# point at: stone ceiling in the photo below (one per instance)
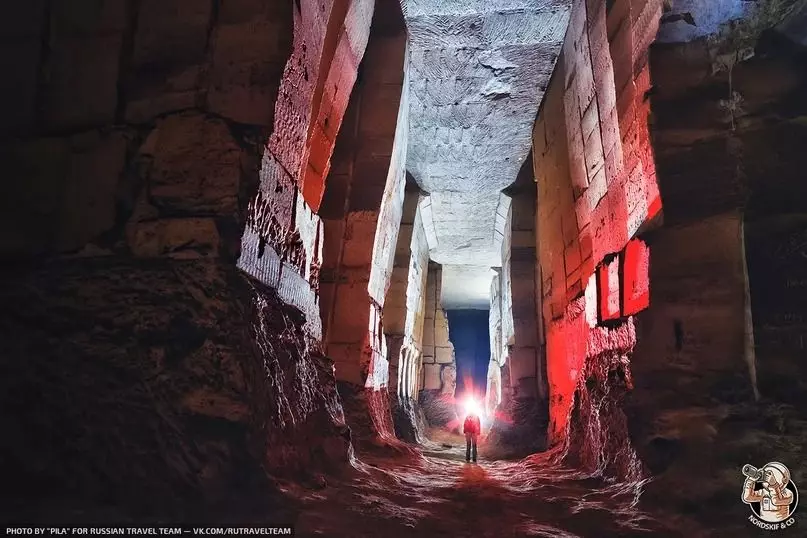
(478, 71)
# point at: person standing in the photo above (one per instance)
(471, 429)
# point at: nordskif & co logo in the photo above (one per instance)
(771, 495)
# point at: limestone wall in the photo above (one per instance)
(282, 245)
(134, 134)
(596, 187)
(367, 163)
(439, 364)
(404, 308)
(94, 131)
(718, 353)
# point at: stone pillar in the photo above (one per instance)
(362, 213)
(525, 374)
(281, 246)
(689, 358)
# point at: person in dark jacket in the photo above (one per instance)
(471, 429)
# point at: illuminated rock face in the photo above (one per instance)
(478, 71)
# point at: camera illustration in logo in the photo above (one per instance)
(770, 492)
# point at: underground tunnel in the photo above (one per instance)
(258, 254)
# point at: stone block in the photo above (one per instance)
(195, 165)
(359, 237)
(410, 207)
(590, 120)
(168, 56)
(319, 150)
(523, 362)
(294, 290)
(370, 170)
(577, 163)
(523, 212)
(394, 319)
(441, 330)
(597, 31)
(428, 332)
(402, 248)
(431, 379)
(526, 329)
(636, 277)
(335, 197)
(525, 388)
(340, 83)
(379, 112)
(597, 189)
(89, 198)
(247, 65)
(568, 224)
(82, 87)
(572, 259)
(176, 238)
(259, 260)
(347, 362)
(523, 239)
(609, 286)
(448, 378)
(613, 163)
(604, 81)
(351, 315)
(331, 247)
(444, 355)
(594, 154)
(171, 32)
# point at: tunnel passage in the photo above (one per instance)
(468, 331)
(357, 158)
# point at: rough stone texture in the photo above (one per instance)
(206, 382)
(403, 323)
(361, 232)
(596, 182)
(203, 390)
(329, 43)
(710, 17)
(439, 409)
(247, 60)
(518, 428)
(409, 420)
(717, 366)
(466, 287)
(479, 70)
(526, 361)
(439, 362)
(416, 285)
(498, 351)
(184, 180)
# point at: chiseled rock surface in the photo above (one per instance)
(439, 409)
(477, 72)
(158, 387)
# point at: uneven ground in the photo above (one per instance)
(435, 493)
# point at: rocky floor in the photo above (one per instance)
(436, 493)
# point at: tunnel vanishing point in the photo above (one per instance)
(242, 241)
